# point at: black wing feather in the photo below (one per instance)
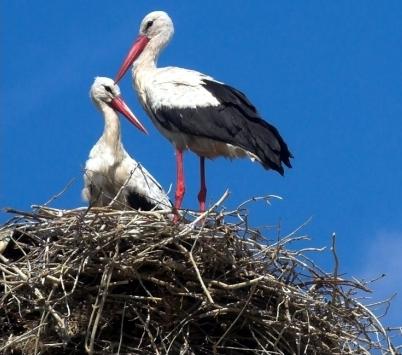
(235, 121)
(138, 201)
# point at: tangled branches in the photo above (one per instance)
(107, 281)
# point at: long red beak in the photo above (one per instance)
(135, 51)
(118, 104)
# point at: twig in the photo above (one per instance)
(235, 320)
(191, 226)
(65, 188)
(116, 197)
(236, 286)
(98, 308)
(189, 254)
(336, 268)
(121, 328)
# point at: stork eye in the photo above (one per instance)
(108, 89)
(148, 25)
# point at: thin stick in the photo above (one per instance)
(197, 271)
(121, 328)
(235, 320)
(121, 189)
(202, 216)
(238, 285)
(65, 188)
(336, 268)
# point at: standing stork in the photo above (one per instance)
(111, 175)
(195, 111)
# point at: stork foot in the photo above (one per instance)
(177, 217)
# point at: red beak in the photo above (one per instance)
(134, 53)
(118, 104)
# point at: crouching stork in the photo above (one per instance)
(111, 175)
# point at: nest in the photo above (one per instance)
(103, 281)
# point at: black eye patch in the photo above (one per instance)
(108, 89)
(148, 25)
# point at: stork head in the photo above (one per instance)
(155, 24)
(156, 28)
(105, 91)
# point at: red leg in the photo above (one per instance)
(203, 190)
(180, 188)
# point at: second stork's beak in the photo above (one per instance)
(119, 105)
(134, 53)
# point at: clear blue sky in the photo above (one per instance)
(327, 74)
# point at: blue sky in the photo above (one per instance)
(327, 74)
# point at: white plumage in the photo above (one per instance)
(172, 87)
(110, 167)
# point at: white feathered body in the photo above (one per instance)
(110, 167)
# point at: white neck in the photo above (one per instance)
(111, 134)
(149, 56)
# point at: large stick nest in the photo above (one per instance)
(107, 281)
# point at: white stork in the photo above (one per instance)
(111, 175)
(195, 111)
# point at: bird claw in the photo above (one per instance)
(177, 216)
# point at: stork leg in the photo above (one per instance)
(203, 190)
(180, 188)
